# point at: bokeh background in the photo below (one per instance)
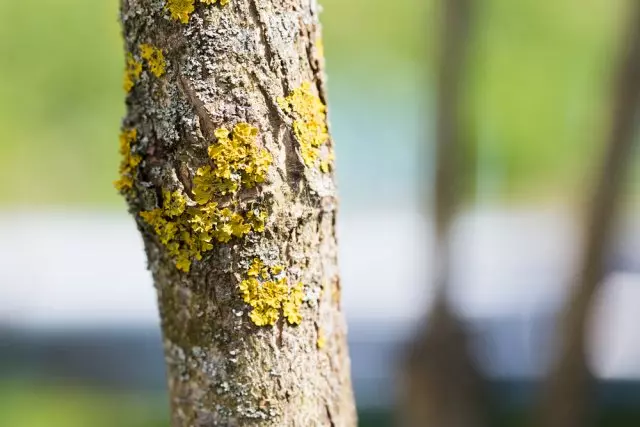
(79, 337)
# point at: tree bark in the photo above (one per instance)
(227, 169)
(567, 396)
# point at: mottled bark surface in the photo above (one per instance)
(228, 65)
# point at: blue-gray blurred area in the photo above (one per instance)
(79, 336)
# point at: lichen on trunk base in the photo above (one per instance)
(227, 169)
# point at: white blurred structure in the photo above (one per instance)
(80, 270)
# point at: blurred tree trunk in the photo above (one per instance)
(567, 399)
(440, 384)
(227, 169)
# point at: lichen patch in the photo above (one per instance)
(267, 290)
(309, 125)
(132, 73)
(321, 341)
(237, 162)
(154, 58)
(188, 229)
(181, 10)
(129, 162)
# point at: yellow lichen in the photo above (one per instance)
(257, 219)
(181, 10)
(309, 125)
(291, 307)
(129, 161)
(322, 340)
(155, 59)
(267, 291)
(132, 73)
(237, 161)
(327, 161)
(320, 48)
(187, 230)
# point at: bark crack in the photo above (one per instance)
(332, 423)
(294, 167)
(316, 66)
(265, 40)
(280, 330)
(207, 125)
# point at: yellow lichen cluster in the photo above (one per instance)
(131, 73)
(129, 161)
(320, 48)
(310, 124)
(155, 62)
(155, 59)
(181, 10)
(188, 231)
(237, 161)
(268, 292)
(322, 340)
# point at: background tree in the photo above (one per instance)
(228, 170)
(567, 395)
(441, 385)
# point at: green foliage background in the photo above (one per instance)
(537, 88)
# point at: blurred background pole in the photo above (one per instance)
(566, 400)
(440, 385)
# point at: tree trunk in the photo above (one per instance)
(227, 169)
(567, 397)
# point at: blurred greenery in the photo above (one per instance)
(60, 86)
(31, 405)
(39, 406)
(541, 87)
(538, 88)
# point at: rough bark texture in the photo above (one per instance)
(441, 386)
(228, 65)
(567, 399)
